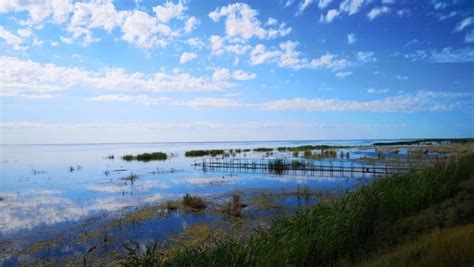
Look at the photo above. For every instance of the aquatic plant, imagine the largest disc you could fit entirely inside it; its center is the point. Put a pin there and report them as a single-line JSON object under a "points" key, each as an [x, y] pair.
{"points": [[131, 177], [110, 157], [282, 149], [262, 149], [277, 166], [234, 208], [202, 153], [146, 157], [193, 202]]}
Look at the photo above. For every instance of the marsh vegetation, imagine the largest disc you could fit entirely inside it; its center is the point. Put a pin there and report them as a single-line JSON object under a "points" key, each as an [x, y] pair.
{"points": [[364, 222], [146, 156]]}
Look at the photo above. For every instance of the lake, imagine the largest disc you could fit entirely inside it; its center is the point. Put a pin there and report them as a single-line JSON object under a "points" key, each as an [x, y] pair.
{"points": [[48, 190]]}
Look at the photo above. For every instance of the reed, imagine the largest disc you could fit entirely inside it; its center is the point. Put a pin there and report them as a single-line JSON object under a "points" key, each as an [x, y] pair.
{"points": [[345, 228], [196, 203]]}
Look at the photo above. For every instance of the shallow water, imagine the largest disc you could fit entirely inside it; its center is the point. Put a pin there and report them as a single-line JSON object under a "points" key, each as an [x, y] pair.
{"points": [[49, 188]]}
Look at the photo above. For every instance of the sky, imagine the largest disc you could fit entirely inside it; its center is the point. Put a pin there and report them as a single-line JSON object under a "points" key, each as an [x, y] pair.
{"points": [[159, 71]]}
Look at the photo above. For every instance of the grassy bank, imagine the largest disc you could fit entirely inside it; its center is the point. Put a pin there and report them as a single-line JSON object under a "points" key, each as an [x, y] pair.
{"points": [[343, 231]]}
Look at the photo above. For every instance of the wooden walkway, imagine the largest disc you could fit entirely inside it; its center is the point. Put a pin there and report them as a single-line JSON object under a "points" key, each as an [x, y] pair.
{"points": [[324, 167]]}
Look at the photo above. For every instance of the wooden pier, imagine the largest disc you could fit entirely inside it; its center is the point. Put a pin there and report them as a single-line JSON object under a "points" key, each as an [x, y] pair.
{"points": [[323, 167]]}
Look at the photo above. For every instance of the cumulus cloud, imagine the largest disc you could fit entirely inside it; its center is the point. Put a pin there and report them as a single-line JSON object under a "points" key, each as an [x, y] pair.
{"points": [[11, 39], [303, 5], [366, 56], [377, 91], [287, 56], [351, 38], [195, 42], [241, 22], [260, 55], [330, 16], [29, 77], [324, 3], [343, 74], [377, 11], [139, 28], [351, 6], [243, 76], [169, 10], [221, 74], [186, 57]]}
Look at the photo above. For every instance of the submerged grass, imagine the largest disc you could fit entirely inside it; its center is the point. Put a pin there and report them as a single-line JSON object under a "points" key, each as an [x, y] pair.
{"points": [[344, 229]]}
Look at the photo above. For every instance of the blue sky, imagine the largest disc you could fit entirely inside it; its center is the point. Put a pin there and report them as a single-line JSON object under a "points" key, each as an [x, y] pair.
{"points": [[140, 71]]}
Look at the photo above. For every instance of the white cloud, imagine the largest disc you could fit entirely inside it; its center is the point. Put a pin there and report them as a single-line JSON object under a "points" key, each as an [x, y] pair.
{"points": [[54, 44], [366, 56], [37, 42], [469, 38], [260, 55], [29, 77], [343, 74], [324, 3], [464, 23], [39, 11], [144, 31], [303, 5], [449, 55], [25, 33], [422, 101], [191, 24], [289, 57], [221, 74], [243, 76], [138, 28], [329, 61], [11, 39], [377, 11], [351, 38], [138, 99], [330, 16], [241, 22], [195, 42], [351, 6], [219, 46], [186, 57], [271, 22], [377, 91], [66, 40], [169, 10], [211, 102]]}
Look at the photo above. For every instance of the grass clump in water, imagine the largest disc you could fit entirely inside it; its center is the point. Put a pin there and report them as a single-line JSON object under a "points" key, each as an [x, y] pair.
{"points": [[196, 203], [146, 157], [202, 153], [262, 149]]}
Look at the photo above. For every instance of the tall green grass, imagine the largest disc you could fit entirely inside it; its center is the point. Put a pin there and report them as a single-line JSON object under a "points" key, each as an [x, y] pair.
{"points": [[342, 229]]}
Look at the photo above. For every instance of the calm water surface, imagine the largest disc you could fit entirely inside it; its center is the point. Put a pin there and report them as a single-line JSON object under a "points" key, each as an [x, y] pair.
{"points": [[44, 187]]}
